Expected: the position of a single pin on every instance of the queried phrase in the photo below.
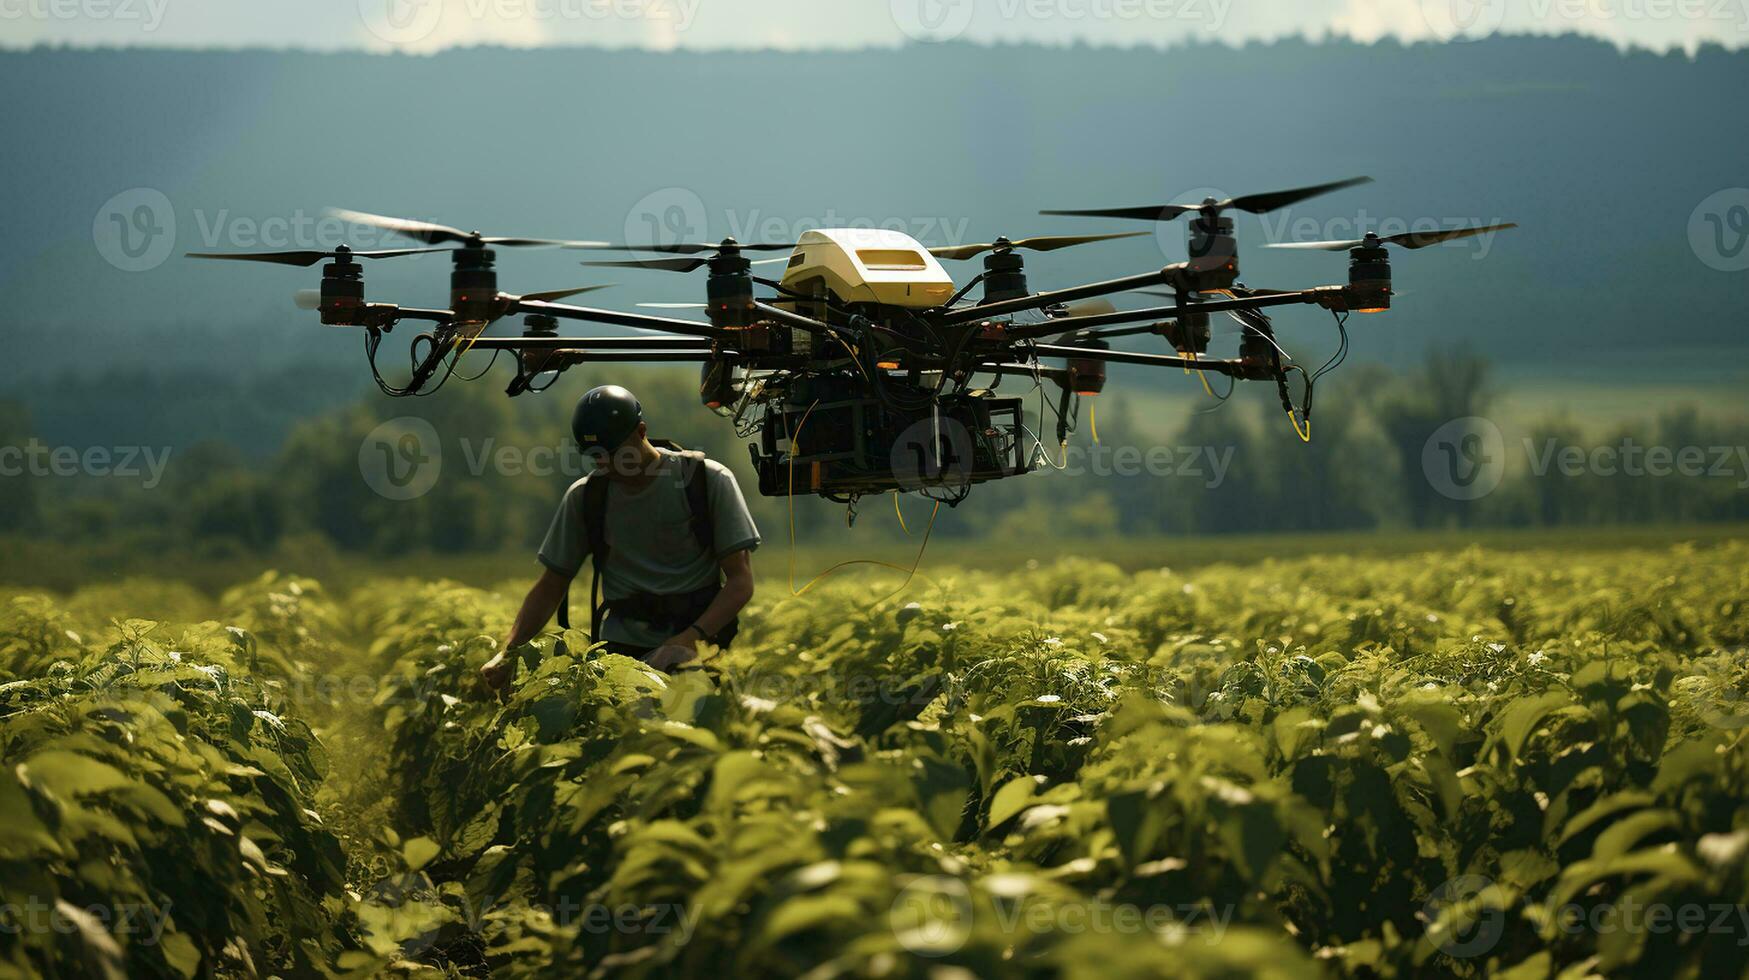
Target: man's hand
(674, 651)
(496, 672)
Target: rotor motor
(473, 285)
(1211, 242)
(1004, 274)
(342, 291)
(1369, 277)
(729, 291)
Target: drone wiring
(910, 573)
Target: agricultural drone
(863, 368)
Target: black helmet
(605, 418)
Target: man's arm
(737, 591)
(538, 607)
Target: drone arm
(1070, 323)
(1040, 300)
(415, 313)
(640, 320)
(651, 343)
(1027, 370)
(796, 320)
(1233, 368)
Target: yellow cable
(1306, 434)
(901, 514)
(1093, 420)
(910, 573)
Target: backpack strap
(698, 502)
(595, 530)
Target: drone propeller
(1252, 203)
(1045, 243)
(554, 295)
(309, 257)
(669, 265)
(1413, 239)
(436, 234)
(673, 306)
(691, 248)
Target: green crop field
(1367, 762)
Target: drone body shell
(868, 265)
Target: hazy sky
(418, 26)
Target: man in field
(668, 534)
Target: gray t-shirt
(650, 544)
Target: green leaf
(419, 851)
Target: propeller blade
(1422, 239)
(1413, 239)
(688, 248)
(425, 231)
(665, 265)
(672, 306)
(435, 234)
(1041, 243)
(671, 265)
(535, 242)
(1264, 203)
(1253, 203)
(307, 257)
(1146, 212)
(554, 295)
